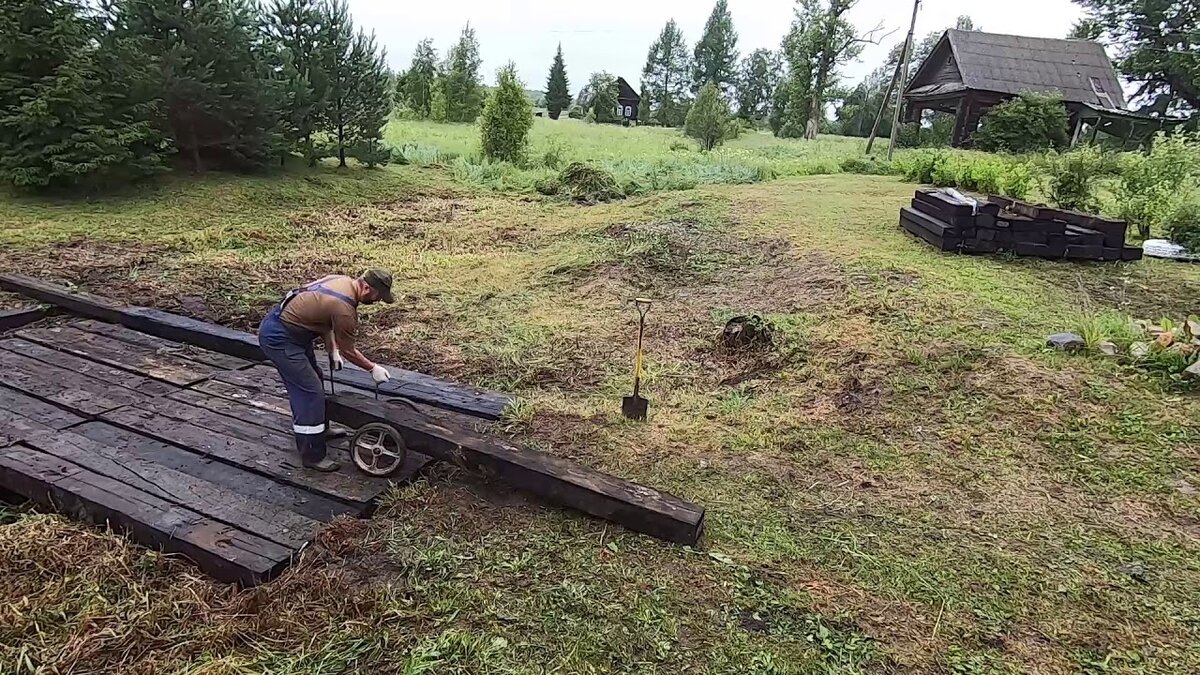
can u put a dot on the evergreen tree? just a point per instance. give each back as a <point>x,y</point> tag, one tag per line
<point>708,120</point>
<point>337,63</point>
<point>416,88</point>
<point>558,90</point>
<point>716,55</point>
<point>73,105</point>
<point>437,101</point>
<point>370,101</point>
<point>222,98</point>
<point>296,26</point>
<point>757,80</point>
<point>666,77</point>
<point>507,118</point>
<point>462,87</point>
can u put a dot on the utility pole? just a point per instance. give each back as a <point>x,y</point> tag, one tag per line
<point>908,47</point>
<point>887,97</point>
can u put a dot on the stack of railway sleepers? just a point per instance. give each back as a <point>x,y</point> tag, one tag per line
<point>1005,225</point>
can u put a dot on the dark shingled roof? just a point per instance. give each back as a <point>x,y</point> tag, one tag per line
<point>1009,64</point>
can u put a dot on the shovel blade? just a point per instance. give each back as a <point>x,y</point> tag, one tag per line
<point>634,407</point>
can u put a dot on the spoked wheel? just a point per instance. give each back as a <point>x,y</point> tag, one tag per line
<point>378,449</point>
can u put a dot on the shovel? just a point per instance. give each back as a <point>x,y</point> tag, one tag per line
<point>635,407</point>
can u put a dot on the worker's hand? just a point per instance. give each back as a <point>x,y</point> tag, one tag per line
<point>380,374</point>
<point>338,361</point>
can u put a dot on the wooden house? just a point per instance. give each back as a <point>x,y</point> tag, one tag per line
<point>628,101</point>
<point>968,72</point>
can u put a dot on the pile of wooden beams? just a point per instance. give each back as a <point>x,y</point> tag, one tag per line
<point>1003,225</point>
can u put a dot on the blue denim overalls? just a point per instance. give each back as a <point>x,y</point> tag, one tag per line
<point>290,348</point>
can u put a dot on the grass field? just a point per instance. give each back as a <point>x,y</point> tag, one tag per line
<point>907,482</point>
<point>652,158</point>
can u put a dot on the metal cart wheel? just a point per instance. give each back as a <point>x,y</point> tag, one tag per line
<point>378,449</point>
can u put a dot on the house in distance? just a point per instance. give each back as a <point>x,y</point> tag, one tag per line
<point>628,101</point>
<point>969,72</point>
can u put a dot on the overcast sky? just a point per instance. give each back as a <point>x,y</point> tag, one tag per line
<point>614,35</point>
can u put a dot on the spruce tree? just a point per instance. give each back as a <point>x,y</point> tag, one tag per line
<point>416,89</point>
<point>558,90</point>
<point>507,118</point>
<point>757,80</point>
<point>716,55</point>
<point>222,98</point>
<point>73,105</point>
<point>666,77</point>
<point>296,26</point>
<point>371,101</point>
<point>708,120</point>
<point>462,86</point>
<point>337,46</point>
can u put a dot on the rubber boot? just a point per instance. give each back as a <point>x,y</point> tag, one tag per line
<point>325,465</point>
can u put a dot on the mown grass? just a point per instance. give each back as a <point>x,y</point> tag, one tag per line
<point>643,159</point>
<point>907,482</point>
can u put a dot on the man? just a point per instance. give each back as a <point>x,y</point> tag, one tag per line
<point>326,308</point>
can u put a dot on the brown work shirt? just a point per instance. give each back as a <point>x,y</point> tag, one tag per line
<point>324,314</point>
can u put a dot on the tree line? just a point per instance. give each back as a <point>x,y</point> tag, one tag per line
<point>121,89</point>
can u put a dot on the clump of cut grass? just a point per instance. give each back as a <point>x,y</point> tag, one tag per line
<point>590,184</point>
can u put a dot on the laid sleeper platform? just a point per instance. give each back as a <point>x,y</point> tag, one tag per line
<point>114,426</point>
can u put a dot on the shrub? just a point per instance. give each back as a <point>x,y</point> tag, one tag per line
<point>919,166</point>
<point>1029,123</point>
<point>708,120</point>
<point>1183,223</point>
<point>587,183</point>
<point>1018,181</point>
<point>1071,177</point>
<point>507,118</point>
<point>866,165</point>
<point>1151,184</point>
<point>681,146</point>
<point>576,112</point>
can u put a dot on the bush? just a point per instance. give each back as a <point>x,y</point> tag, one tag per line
<point>587,183</point>
<point>1151,184</point>
<point>866,165</point>
<point>555,153</point>
<point>1018,181</point>
<point>506,120</point>
<point>918,167</point>
<point>1029,123</point>
<point>1071,177</point>
<point>708,120</point>
<point>1183,223</point>
<point>575,112</point>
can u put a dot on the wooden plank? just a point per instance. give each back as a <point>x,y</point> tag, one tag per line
<point>206,498</point>
<point>190,352</point>
<point>243,409</point>
<point>555,479</point>
<point>956,222</point>
<point>15,403</point>
<point>1131,253</point>
<point>79,393</point>
<point>272,455</point>
<point>224,552</point>
<point>262,488</point>
<point>265,380</point>
<point>15,318</point>
<point>106,350</point>
<point>404,383</point>
<point>929,230</point>
<point>92,369</point>
<point>232,392</point>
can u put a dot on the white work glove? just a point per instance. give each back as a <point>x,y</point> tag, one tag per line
<point>380,374</point>
<point>338,361</point>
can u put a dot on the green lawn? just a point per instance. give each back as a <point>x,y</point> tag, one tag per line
<point>907,482</point>
<point>654,158</point>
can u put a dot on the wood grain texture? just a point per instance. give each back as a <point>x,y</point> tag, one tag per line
<point>135,358</point>
<point>92,369</point>
<point>227,553</point>
<point>79,393</point>
<point>404,383</point>
<point>555,479</point>
<point>183,350</point>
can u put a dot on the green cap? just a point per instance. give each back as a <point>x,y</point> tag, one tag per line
<point>380,280</point>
